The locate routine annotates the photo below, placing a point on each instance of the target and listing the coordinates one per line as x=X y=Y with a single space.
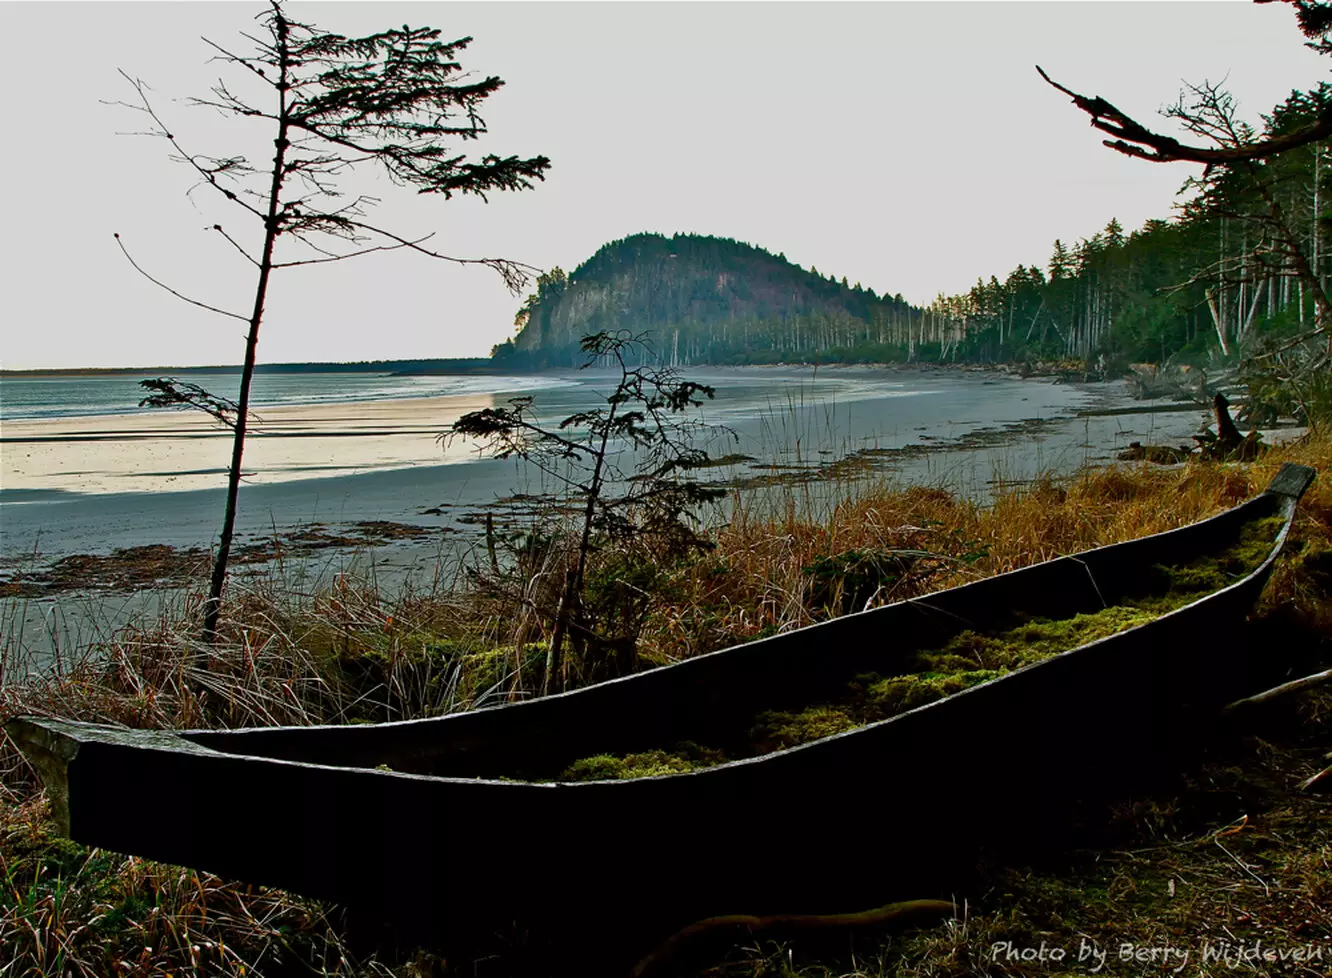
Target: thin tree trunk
x=1313 y=220
x=213 y=608
x=1253 y=307
x=1222 y=324
x=571 y=598
x=1218 y=321
x=1298 y=260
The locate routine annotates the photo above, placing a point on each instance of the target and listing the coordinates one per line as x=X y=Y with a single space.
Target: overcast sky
x=910 y=147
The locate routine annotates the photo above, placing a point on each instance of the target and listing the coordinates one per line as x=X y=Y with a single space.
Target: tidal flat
x=88 y=498
x=100 y=482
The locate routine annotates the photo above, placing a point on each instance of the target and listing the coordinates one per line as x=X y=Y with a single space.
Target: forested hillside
x=703 y=299
x=1222 y=276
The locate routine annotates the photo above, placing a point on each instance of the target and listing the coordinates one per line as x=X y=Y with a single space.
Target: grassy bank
x=1181 y=864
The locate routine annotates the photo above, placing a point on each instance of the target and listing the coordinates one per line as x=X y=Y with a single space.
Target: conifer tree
x=397 y=98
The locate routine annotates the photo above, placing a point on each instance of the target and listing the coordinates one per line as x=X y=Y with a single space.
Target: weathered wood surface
x=1281 y=691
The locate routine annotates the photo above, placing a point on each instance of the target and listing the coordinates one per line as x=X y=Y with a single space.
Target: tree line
x=1222 y=276
x=1237 y=271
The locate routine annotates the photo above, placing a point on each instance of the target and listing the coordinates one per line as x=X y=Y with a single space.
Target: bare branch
x=1299 y=340
x=161 y=285
x=1135 y=139
x=235 y=244
x=209 y=175
x=352 y=254
x=237 y=59
x=516 y=275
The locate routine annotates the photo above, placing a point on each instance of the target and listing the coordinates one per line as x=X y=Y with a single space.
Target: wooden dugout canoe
x=845 y=822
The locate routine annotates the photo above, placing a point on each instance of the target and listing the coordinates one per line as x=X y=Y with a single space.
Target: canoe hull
x=872 y=815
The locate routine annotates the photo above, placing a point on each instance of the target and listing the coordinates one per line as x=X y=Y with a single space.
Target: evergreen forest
x=701 y=299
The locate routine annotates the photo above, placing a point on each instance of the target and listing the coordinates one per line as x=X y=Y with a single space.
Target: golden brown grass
x=66 y=910
x=759 y=578
x=1230 y=855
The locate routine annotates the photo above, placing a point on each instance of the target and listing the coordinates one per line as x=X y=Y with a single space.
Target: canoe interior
x=703 y=699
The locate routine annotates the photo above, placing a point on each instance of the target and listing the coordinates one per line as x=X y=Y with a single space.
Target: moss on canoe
x=968 y=659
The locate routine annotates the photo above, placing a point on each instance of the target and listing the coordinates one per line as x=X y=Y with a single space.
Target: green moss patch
x=1171 y=586
x=776 y=730
x=968 y=659
x=647 y=764
x=1031 y=641
x=899 y=694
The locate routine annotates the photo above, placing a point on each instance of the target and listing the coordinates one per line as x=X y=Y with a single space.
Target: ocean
x=85 y=395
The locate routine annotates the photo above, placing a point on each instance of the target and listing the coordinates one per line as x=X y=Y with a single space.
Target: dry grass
x=68 y=910
x=351 y=653
x=764 y=575
x=283 y=658
x=1229 y=855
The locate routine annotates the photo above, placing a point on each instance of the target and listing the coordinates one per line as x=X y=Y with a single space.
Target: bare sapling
x=625 y=468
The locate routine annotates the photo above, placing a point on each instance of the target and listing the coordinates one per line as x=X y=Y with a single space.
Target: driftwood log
x=1157 y=454
x=1321 y=781
x=1225 y=445
x=1228 y=445
x=1278 y=692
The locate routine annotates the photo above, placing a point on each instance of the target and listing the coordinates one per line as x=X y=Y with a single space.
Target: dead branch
x=1320 y=781
x=1136 y=140
x=236 y=244
x=515 y=274
x=162 y=285
x=1285 y=689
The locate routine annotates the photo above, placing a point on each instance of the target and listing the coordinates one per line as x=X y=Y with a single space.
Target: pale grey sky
x=908 y=146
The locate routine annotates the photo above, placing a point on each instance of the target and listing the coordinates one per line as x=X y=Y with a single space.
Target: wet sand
x=95 y=484
x=186 y=450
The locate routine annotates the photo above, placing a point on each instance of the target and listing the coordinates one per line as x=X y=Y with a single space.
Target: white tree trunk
x=1218 y=321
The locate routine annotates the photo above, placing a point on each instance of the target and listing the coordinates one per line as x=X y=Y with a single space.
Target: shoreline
x=185 y=450
x=161 y=483
x=433 y=512
x=149 y=450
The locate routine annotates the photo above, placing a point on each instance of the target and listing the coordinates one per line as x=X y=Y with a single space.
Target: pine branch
x=171 y=393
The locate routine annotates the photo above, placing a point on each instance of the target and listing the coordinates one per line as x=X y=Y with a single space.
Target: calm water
x=77 y=396
x=960 y=428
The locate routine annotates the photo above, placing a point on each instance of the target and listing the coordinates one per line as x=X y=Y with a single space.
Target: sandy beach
x=186 y=450
x=94 y=484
